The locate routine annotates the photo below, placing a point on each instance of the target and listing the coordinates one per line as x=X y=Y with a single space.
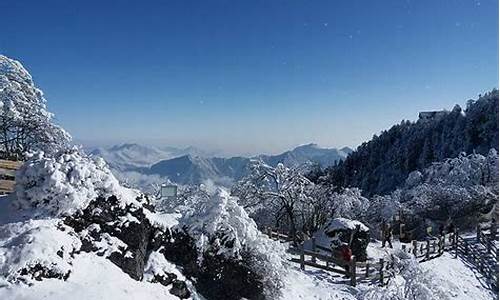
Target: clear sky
x=250 y=76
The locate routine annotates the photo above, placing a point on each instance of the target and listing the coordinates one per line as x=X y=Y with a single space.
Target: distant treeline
x=383 y=163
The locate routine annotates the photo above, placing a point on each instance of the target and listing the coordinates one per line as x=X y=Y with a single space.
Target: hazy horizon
x=262 y=79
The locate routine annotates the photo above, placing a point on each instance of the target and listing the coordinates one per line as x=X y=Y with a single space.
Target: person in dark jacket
x=386 y=234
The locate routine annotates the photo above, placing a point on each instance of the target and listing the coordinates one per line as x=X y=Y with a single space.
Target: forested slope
x=383 y=163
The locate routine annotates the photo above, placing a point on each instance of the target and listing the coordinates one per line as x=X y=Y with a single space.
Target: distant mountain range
x=193 y=166
x=135 y=157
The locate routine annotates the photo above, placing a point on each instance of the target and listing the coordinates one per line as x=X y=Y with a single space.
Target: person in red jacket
x=346 y=255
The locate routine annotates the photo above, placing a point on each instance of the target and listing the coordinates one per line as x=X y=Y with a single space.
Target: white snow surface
x=343 y=223
x=93 y=277
x=314 y=285
x=460 y=281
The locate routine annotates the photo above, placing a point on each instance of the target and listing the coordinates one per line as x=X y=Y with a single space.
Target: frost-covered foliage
x=453 y=188
x=464 y=170
x=278 y=196
x=222 y=228
x=65 y=182
x=462 y=189
x=410 y=282
x=349 y=203
x=25 y=123
x=382 y=164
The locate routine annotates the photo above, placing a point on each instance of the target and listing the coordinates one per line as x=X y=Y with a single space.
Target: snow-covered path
x=315 y=284
x=461 y=281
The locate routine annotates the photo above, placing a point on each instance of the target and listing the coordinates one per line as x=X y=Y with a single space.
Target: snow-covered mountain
x=131 y=156
x=191 y=169
x=308 y=153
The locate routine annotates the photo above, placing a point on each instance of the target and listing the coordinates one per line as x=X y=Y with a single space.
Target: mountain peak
x=307 y=146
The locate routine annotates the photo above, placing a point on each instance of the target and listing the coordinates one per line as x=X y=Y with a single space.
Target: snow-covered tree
x=277 y=196
x=25 y=123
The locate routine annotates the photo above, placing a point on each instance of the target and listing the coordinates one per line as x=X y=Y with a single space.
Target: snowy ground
x=93 y=278
x=462 y=281
x=315 y=284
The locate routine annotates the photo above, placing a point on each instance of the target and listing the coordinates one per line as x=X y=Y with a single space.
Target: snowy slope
x=93 y=277
x=460 y=280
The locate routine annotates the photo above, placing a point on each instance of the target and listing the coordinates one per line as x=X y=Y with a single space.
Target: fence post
x=367 y=270
x=493 y=229
x=478 y=232
x=455 y=242
x=433 y=246
x=428 y=246
x=415 y=247
x=353 y=271
x=313 y=240
x=481 y=268
x=381 y=271
x=302 y=257
x=269 y=232
x=466 y=248
x=440 y=244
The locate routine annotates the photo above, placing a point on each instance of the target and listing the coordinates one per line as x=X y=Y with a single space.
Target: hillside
x=383 y=163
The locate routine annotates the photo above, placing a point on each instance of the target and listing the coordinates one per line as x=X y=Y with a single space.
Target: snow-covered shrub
x=25 y=122
x=410 y=281
x=229 y=246
x=65 y=182
x=36 y=249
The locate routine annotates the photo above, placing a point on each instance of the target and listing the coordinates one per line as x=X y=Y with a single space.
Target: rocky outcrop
x=125 y=236
x=350 y=232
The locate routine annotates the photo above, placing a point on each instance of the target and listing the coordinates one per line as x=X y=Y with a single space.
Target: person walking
x=386 y=234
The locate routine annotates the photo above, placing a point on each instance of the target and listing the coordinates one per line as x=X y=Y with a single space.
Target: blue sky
x=250 y=76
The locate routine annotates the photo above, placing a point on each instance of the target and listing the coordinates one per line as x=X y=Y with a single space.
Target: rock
x=216 y=277
x=128 y=224
x=165 y=280
x=179 y=289
x=39 y=271
x=342 y=229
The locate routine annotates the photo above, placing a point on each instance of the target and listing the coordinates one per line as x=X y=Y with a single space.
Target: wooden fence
x=323 y=258
x=368 y=271
x=380 y=271
x=8 y=170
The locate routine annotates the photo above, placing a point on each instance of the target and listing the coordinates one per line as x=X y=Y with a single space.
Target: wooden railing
x=379 y=272
x=8 y=170
x=323 y=258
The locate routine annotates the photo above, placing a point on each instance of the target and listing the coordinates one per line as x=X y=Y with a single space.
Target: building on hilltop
x=430 y=115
